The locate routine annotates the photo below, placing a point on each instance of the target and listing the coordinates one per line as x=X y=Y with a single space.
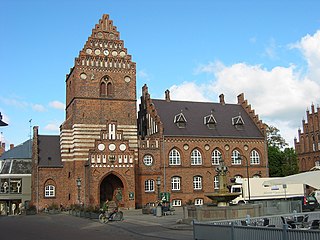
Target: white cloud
x=279 y=95
x=38 y=108
x=14 y=102
x=188 y=91
x=143 y=75
x=52 y=127
x=271 y=50
x=310 y=48
x=57 y=105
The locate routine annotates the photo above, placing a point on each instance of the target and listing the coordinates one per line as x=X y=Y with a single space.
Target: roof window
x=180 y=120
x=210 y=121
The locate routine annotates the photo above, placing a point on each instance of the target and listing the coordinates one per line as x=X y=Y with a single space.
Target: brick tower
x=99 y=136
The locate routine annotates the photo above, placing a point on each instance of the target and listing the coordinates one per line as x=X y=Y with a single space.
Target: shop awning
x=311 y=178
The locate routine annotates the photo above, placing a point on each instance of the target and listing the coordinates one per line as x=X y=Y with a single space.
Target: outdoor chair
x=314 y=224
x=244 y=223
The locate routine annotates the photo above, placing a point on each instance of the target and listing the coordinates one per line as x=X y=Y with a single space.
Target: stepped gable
x=105 y=49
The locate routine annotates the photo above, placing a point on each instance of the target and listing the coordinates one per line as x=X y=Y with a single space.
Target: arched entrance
x=111 y=188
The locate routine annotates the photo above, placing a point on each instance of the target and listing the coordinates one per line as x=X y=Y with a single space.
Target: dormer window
x=238 y=122
x=210 y=121
x=180 y=120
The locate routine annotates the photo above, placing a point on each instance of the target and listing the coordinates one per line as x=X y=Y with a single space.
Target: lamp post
x=78 y=186
x=248 y=182
x=158 y=185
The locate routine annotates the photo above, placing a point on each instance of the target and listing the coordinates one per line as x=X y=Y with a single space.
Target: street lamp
x=79 y=186
x=158 y=185
x=247 y=166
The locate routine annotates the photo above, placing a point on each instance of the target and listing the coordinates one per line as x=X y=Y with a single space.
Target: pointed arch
x=109 y=89
x=102 y=89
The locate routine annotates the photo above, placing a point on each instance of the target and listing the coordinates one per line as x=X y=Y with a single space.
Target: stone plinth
x=210 y=213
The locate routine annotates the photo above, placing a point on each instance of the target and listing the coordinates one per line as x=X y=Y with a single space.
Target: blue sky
x=269 y=50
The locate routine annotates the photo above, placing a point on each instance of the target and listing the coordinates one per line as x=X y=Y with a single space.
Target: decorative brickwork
x=307 y=145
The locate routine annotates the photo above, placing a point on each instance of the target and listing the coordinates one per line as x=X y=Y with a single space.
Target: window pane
x=175 y=183
x=216 y=155
x=149 y=185
x=254 y=157
x=174 y=157
x=235 y=158
x=196 y=158
x=197 y=183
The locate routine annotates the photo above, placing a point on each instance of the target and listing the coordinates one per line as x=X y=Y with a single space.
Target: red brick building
x=104 y=152
x=307 y=145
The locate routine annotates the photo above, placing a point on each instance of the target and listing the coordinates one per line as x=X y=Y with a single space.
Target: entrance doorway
x=111 y=189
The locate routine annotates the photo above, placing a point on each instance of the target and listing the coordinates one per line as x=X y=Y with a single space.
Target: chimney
x=3 y=145
x=11 y=146
x=221 y=97
x=167 y=93
x=240 y=98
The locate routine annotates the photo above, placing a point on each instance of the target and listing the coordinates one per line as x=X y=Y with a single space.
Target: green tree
x=274 y=138
x=282 y=161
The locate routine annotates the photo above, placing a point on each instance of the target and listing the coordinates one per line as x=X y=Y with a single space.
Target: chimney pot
x=167 y=93
x=221 y=97
x=11 y=146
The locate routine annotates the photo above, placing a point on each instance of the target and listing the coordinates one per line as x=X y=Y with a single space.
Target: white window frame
x=174 y=157
x=197 y=183
x=254 y=157
x=149 y=185
x=148 y=160
x=216 y=182
x=198 y=202
x=235 y=157
x=49 y=191
x=215 y=157
x=196 y=157
x=176 y=202
x=175 y=183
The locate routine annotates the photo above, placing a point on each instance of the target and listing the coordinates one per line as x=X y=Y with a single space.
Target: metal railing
x=233 y=230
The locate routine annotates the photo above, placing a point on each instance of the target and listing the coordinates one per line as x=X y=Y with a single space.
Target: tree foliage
x=282 y=161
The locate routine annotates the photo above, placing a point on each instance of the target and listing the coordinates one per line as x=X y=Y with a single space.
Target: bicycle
x=115 y=215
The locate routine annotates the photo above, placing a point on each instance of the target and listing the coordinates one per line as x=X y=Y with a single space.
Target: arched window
x=196 y=158
x=174 y=157
x=235 y=158
x=215 y=157
x=149 y=185
x=49 y=191
x=109 y=89
x=175 y=183
x=254 y=157
x=197 y=182
x=102 y=89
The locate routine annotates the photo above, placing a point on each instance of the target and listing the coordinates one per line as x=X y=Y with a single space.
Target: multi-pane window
x=176 y=202
x=147 y=160
x=149 y=185
x=215 y=157
x=175 y=183
x=235 y=158
x=254 y=157
x=196 y=158
x=49 y=191
x=216 y=182
x=197 y=182
x=174 y=157
x=198 y=201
